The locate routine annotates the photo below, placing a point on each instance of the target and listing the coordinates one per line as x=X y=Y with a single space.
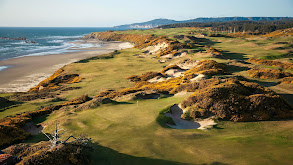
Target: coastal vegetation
x=120 y=100
x=254 y=27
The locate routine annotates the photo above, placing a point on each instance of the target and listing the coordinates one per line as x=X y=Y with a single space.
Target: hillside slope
x=159 y=22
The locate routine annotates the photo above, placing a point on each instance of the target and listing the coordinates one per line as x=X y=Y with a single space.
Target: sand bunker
x=176 y=113
x=32 y=128
x=187 y=64
x=175 y=72
x=198 y=78
x=156 y=48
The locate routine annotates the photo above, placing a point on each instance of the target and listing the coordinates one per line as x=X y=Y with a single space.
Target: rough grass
x=128 y=133
x=268 y=73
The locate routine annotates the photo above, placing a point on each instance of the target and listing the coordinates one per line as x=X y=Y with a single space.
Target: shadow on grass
x=273 y=57
x=36 y=138
x=117 y=103
x=217 y=127
x=230 y=55
x=205 y=41
x=235 y=68
x=163 y=120
x=265 y=83
x=104 y=56
x=40 y=119
x=106 y=156
x=287 y=97
x=9 y=105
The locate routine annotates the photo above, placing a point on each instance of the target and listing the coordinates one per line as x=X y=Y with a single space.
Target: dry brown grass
x=14 y=124
x=287 y=80
x=144 y=77
x=54 y=81
x=206 y=67
x=236 y=100
x=141 y=41
x=40 y=153
x=272 y=63
x=265 y=73
x=172 y=85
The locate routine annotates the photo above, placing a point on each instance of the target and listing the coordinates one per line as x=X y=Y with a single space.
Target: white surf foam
x=3 y=67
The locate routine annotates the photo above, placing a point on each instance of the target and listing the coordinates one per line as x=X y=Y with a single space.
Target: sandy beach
x=26 y=72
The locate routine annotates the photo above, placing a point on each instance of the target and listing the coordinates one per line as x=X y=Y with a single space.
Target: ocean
x=41 y=41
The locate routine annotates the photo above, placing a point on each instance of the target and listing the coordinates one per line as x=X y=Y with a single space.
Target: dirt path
x=176 y=113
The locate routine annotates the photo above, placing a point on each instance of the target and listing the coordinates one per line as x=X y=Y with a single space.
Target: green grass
x=133 y=130
x=110 y=73
x=241 y=48
x=162 y=119
x=135 y=133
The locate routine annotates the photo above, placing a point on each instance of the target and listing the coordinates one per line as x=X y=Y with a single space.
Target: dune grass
x=129 y=132
x=132 y=129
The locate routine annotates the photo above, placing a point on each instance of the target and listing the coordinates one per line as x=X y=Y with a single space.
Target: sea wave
x=52 y=46
x=4 y=49
x=4 y=67
x=61 y=37
x=56 y=41
x=87 y=45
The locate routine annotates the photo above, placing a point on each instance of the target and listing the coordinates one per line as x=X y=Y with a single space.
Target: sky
x=107 y=13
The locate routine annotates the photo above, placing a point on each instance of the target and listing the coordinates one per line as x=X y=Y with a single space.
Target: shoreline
x=27 y=71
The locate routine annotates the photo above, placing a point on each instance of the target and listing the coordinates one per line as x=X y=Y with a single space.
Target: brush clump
x=272 y=63
x=265 y=73
x=236 y=100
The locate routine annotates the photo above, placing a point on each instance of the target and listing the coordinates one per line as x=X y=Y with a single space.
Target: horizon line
x=139 y=22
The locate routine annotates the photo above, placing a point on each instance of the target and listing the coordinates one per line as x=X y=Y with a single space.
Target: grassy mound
x=11 y=134
x=54 y=81
x=144 y=77
x=272 y=63
x=171 y=85
x=206 y=67
x=264 y=73
x=287 y=80
x=141 y=41
x=236 y=100
x=40 y=153
x=11 y=127
x=5 y=103
x=215 y=52
x=162 y=119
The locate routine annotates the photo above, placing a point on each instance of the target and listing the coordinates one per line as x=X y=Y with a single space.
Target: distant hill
x=149 y=24
x=159 y=22
x=227 y=19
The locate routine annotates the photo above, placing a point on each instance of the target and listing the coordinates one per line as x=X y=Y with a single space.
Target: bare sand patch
x=32 y=128
x=176 y=113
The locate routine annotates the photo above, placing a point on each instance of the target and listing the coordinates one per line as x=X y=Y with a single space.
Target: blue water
x=48 y=41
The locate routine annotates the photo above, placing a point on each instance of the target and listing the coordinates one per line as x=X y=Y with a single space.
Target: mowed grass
x=128 y=133
x=131 y=129
x=242 y=48
x=102 y=74
x=98 y=75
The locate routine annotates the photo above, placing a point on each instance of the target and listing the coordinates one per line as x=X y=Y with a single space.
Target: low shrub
x=54 y=81
x=265 y=73
x=287 y=80
x=272 y=63
x=237 y=100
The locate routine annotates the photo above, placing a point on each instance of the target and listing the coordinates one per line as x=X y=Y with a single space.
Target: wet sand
x=26 y=72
